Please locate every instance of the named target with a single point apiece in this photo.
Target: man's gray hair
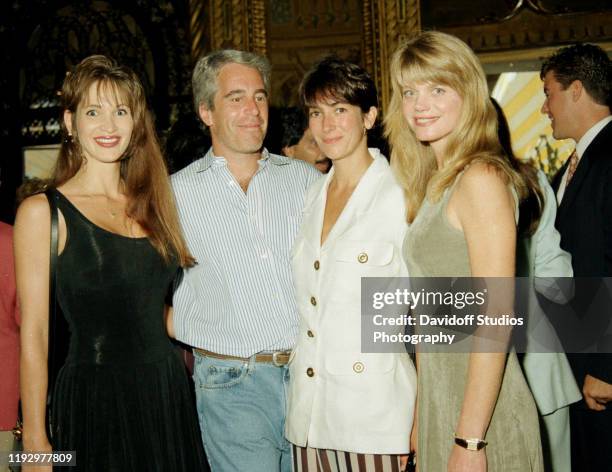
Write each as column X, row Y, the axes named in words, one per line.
column 206, row 72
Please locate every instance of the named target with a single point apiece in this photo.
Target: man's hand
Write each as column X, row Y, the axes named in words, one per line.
column 596, row 393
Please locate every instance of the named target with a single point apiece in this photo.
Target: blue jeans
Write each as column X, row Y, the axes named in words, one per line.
column 241, row 408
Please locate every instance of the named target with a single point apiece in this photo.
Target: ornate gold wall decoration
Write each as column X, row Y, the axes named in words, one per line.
column 386, row 23
column 301, row 32
column 237, row 24
column 503, row 25
column 529, row 29
column 197, row 25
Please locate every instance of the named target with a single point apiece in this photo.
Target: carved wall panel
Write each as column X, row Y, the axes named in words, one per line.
column 198, row 29
column 502, row 25
column 301, row 31
column 237, row 24
column 151, row 40
column 40, row 40
column 386, row 24
column 57, row 44
column 443, row 13
column 365, row 32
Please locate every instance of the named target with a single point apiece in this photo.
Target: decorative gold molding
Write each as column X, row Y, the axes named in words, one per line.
column 196, row 28
column 386, row 23
column 218, row 28
column 529, row 29
column 238, row 24
column 300, row 32
column 236, row 17
column 525, row 55
column 257, row 28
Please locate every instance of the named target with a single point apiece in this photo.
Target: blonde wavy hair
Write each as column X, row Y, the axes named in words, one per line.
column 439, row 58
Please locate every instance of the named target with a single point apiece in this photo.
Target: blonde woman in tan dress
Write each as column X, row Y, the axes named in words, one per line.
column 474, row 409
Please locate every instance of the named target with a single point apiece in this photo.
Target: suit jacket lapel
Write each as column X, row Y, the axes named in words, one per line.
column 571, row 190
column 360, row 201
column 312, row 222
column 556, row 181
column 584, row 166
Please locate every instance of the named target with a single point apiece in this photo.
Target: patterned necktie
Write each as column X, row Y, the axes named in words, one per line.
column 571, row 168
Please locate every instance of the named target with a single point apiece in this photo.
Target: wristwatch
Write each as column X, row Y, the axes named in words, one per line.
column 471, row 444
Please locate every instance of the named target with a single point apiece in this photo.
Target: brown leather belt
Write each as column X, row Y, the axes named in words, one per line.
column 277, row 358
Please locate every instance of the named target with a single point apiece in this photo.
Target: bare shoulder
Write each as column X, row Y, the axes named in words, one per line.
column 33, row 212
column 482, row 191
column 481, row 176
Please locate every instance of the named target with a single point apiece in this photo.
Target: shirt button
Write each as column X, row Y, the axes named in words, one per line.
column 358, row 367
column 264, row 255
column 317, row 265
column 313, row 301
column 310, row 372
column 362, row 258
column 310, row 334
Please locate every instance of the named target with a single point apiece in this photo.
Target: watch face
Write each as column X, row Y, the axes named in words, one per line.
column 478, row 445
column 471, row 444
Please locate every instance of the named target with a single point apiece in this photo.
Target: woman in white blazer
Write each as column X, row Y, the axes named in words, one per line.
column 346, row 409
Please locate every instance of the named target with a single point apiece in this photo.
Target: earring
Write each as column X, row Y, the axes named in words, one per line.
column 68, row 139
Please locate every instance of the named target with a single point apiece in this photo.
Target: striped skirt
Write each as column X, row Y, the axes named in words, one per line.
column 308, row 459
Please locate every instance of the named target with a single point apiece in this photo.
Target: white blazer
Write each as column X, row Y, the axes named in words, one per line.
column 340, row 398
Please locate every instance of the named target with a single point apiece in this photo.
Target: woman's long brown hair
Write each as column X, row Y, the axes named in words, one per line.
column 143, row 170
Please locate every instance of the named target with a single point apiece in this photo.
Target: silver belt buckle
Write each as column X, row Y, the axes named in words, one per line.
column 275, row 355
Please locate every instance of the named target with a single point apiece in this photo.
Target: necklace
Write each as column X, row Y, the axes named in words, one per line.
column 112, row 211
column 104, row 202
column 115, row 212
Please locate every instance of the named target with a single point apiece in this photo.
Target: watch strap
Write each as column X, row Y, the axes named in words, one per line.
column 471, row 444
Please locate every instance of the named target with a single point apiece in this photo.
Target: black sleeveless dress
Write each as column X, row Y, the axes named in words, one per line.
column 122, row 399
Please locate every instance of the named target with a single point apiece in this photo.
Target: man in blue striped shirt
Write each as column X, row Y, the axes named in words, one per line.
column 240, row 209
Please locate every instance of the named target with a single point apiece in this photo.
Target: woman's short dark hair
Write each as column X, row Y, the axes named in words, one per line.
column 335, row 79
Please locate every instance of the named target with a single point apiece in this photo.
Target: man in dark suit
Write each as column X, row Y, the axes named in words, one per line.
column 577, row 84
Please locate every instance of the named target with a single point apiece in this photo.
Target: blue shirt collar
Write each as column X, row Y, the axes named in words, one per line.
column 210, row 159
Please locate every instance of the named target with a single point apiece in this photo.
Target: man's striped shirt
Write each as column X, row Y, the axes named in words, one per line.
column 239, row 298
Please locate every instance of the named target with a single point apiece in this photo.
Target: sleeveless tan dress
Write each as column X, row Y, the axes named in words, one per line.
column 434, row 248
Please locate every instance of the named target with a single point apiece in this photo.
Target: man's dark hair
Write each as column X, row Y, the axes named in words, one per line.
column 584, row 62
column 293, row 122
column 336, row 79
column 186, row 140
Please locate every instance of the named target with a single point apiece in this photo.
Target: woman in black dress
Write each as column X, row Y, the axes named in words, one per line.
column 122, row 399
